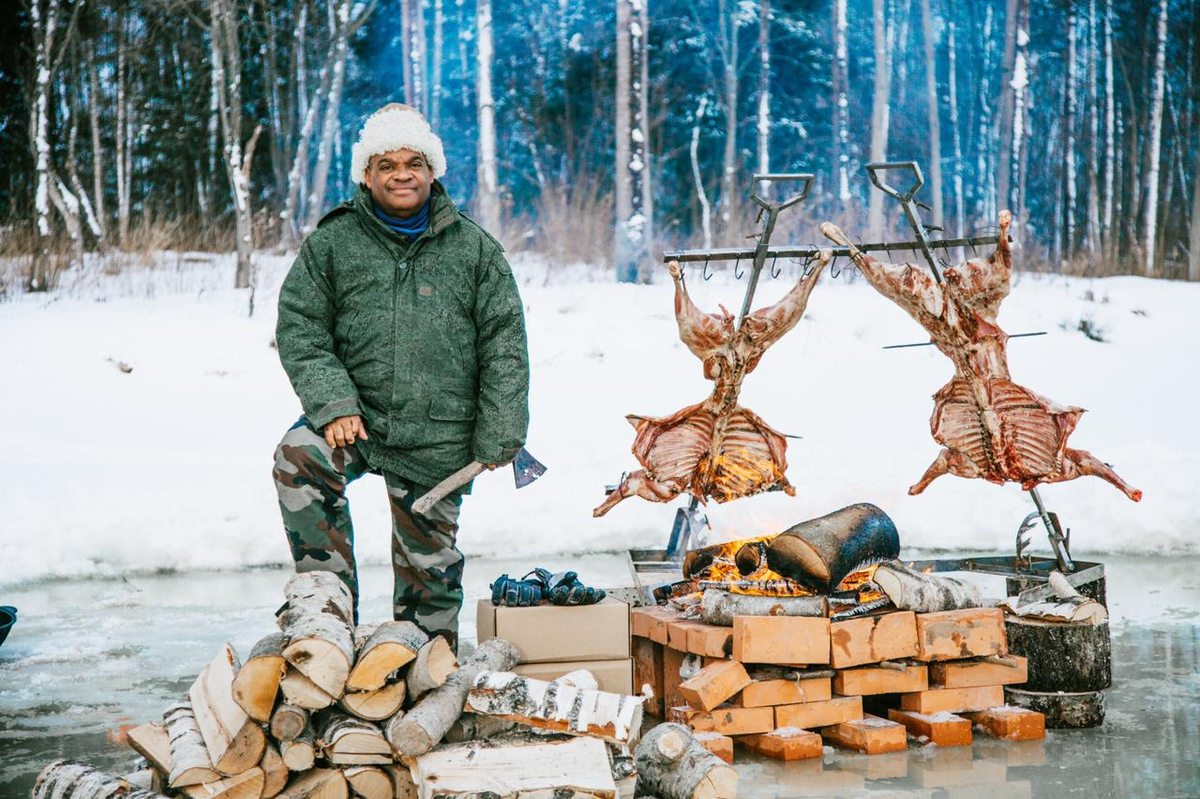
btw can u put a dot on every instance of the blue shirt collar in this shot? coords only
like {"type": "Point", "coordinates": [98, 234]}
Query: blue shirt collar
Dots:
{"type": "Point", "coordinates": [413, 226]}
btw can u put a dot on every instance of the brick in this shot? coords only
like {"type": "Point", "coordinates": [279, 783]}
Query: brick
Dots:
{"type": "Point", "coordinates": [943, 729]}
{"type": "Point", "coordinates": [651, 622]}
{"type": "Point", "coordinates": [672, 662]}
{"type": "Point", "coordinates": [1011, 723]}
{"type": "Point", "coordinates": [720, 745]}
{"type": "Point", "coordinates": [968, 674]}
{"type": "Point", "coordinates": [677, 631]}
{"type": "Point", "coordinates": [783, 640]}
{"type": "Point", "coordinates": [785, 692]}
{"type": "Point", "coordinates": [870, 639]}
{"type": "Point", "coordinates": [788, 743]}
{"type": "Point", "coordinates": [808, 715]}
{"type": "Point", "coordinates": [870, 734]}
{"type": "Point", "coordinates": [714, 684]}
{"type": "Point", "coordinates": [648, 670]}
{"type": "Point", "coordinates": [955, 700]}
{"type": "Point", "coordinates": [725, 719]}
{"type": "Point", "coordinates": [872, 680]}
{"type": "Point", "coordinates": [956, 634]}
{"type": "Point", "coordinates": [710, 640]}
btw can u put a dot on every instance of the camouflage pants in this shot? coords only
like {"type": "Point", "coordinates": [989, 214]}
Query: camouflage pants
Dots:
{"type": "Point", "coordinates": [311, 479]}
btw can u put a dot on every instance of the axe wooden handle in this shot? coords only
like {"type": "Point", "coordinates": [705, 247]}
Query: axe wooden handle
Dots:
{"type": "Point", "coordinates": [436, 494]}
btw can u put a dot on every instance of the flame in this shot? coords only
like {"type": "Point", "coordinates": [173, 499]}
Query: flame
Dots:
{"type": "Point", "coordinates": [862, 580]}
{"type": "Point", "coordinates": [740, 568]}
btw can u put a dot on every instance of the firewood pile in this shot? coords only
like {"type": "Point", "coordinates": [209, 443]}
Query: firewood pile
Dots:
{"type": "Point", "coordinates": [326, 709]}
{"type": "Point", "coordinates": [781, 677]}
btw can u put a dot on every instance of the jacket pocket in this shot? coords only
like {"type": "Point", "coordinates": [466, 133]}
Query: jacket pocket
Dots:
{"type": "Point", "coordinates": [451, 409]}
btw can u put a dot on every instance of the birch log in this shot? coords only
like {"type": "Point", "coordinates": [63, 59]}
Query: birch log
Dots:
{"type": "Point", "coordinates": [369, 782]}
{"type": "Point", "coordinates": [402, 781]}
{"type": "Point", "coordinates": [559, 706]}
{"type": "Point", "coordinates": [287, 722]}
{"type": "Point", "coordinates": [392, 645]}
{"type": "Point", "coordinates": [578, 767]}
{"type": "Point", "coordinates": [318, 783]}
{"type": "Point", "coordinates": [246, 785]}
{"type": "Point", "coordinates": [427, 722]}
{"type": "Point", "coordinates": [275, 771]}
{"type": "Point", "coordinates": [151, 742]}
{"type": "Point", "coordinates": [299, 753]}
{"type": "Point", "coordinates": [672, 764]}
{"type": "Point", "coordinates": [347, 741]}
{"type": "Point", "coordinates": [374, 705]}
{"type": "Point", "coordinates": [719, 607]}
{"type": "Point", "coordinates": [64, 779]}
{"type": "Point", "coordinates": [924, 593]}
{"type": "Point", "coordinates": [474, 727]}
{"type": "Point", "coordinates": [435, 662]}
{"type": "Point", "coordinates": [317, 635]}
{"type": "Point", "coordinates": [256, 683]}
{"type": "Point", "coordinates": [234, 740]}
{"type": "Point", "coordinates": [189, 760]}
{"type": "Point", "coordinates": [302, 692]}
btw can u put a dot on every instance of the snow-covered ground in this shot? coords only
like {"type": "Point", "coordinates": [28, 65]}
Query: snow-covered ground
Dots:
{"type": "Point", "coordinates": [168, 466]}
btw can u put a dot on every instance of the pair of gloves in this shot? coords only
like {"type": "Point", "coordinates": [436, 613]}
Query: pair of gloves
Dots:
{"type": "Point", "coordinates": [563, 588]}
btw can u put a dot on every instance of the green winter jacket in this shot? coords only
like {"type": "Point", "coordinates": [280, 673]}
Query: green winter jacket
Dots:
{"type": "Point", "coordinates": [425, 340]}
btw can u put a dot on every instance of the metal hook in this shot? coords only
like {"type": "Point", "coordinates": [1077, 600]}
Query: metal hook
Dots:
{"type": "Point", "coordinates": [775, 272]}
{"type": "Point", "coordinates": [834, 271]}
{"type": "Point", "coordinates": [706, 273]}
{"type": "Point", "coordinates": [736, 274]}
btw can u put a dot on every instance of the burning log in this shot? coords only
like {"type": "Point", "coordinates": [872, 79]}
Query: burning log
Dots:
{"type": "Point", "coordinates": [719, 607]}
{"type": "Point", "coordinates": [672, 764]}
{"type": "Point", "coordinates": [64, 779]}
{"type": "Point", "coordinates": [427, 722]}
{"type": "Point", "coordinates": [188, 762]}
{"type": "Point", "coordinates": [560, 706]}
{"type": "Point", "coordinates": [390, 646]}
{"type": "Point", "coordinates": [819, 553]}
{"type": "Point", "coordinates": [257, 682]}
{"type": "Point", "coordinates": [924, 593]}
{"type": "Point", "coordinates": [779, 587]}
{"type": "Point", "coordinates": [316, 625]}
{"type": "Point", "coordinates": [435, 662]}
{"type": "Point", "coordinates": [234, 741]}
{"type": "Point", "coordinates": [287, 722]}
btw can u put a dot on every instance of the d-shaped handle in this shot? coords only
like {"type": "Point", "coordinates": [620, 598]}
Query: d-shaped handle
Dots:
{"type": "Point", "coordinates": [874, 170]}
{"type": "Point", "coordinates": [804, 179]}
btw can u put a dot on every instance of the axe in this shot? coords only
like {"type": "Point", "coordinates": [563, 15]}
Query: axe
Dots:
{"type": "Point", "coordinates": [526, 469]}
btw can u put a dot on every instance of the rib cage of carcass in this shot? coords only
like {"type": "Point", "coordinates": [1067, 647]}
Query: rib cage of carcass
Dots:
{"type": "Point", "coordinates": [989, 426]}
{"type": "Point", "coordinates": [717, 448]}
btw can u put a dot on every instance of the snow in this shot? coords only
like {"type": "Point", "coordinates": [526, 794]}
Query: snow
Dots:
{"type": "Point", "coordinates": [168, 467]}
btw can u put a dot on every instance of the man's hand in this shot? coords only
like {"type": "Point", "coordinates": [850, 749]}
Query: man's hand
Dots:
{"type": "Point", "coordinates": [344, 431]}
{"type": "Point", "coordinates": [491, 467]}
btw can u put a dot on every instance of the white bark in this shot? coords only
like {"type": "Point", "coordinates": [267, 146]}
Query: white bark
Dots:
{"type": "Point", "coordinates": [642, 142]}
{"type": "Point", "coordinates": [924, 593]}
{"type": "Point", "coordinates": [705, 208]}
{"type": "Point", "coordinates": [1194, 237]}
{"type": "Point", "coordinates": [985, 199]}
{"type": "Point", "coordinates": [727, 21]}
{"type": "Point", "coordinates": [1072, 77]}
{"type": "Point", "coordinates": [1093, 106]}
{"type": "Point", "coordinates": [487, 188]}
{"type": "Point", "coordinates": [1156, 125]}
{"type": "Point", "coordinates": [43, 29]}
{"type": "Point", "coordinates": [935, 122]}
{"type": "Point", "coordinates": [1018, 84]}
{"type": "Point", "coordinates": [297, 178]}
{"type": "Point", "coordinates": [1109, 133]}
{"type": "Point", "coordinates": [333, 105]}
{"type": "Point", "coordinates": [63, 779]}
{"type": "Point", "coordinates": [956, 133]}
{"type": "Point", "coordinates": [439, 23]}
{"type": "Point", "coordinates": [841, 97]}
{"type": "Point", "coordinates": [880, 115]}
{"type": "Point", "coordinates": [317, 636]}
{"type": "Point", "coordinates": [121, 137]}
{"type": "Point", "coordinates": [190, 763]}
{"type": "Point", "coordinates": [672, 764]}
{"type": "Point", "coordinates": [94, 102]}
{"type": "Point", "coordinates": [764, 90]}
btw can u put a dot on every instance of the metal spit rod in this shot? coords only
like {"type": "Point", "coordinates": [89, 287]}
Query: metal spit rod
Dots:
{"type": "Point", "coordinates": [811, 250]}
{"type": "Point", "coordinates": [769, 212]}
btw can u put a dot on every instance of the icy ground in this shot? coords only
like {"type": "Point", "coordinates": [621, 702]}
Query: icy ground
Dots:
{"type": "Point", "coordinates": [90, 657]}
{"type": "Point", "coordinates": [166, 467]}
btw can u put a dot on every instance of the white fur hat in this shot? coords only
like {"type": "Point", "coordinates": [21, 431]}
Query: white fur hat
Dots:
{"type": "Point", "coordinates": [396, 127]}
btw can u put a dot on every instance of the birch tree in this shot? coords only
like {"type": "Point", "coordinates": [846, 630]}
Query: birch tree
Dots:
{"type": "Point", "coordinates": [640, 149]}
{"type": "Point", "coordinates": [841, 100]}
{"type": "Point", "coordinates": [45, 23]}
{"type": "Point", "coordinates": [1070, 112]}
{"type": "Point", "coordinates": [1109, 136]}
{"type": "Point", "coordinates": [631, 244]}
{"type": "Point", "coordinates": [1018, 85]}
{"type": "Point", "coordinates": [956, 136]}
{"type": "Point", "coordinates": [935, 124]}
{"type": "Point", "coordinates": [1156, 125]}
{"type": "Point", "coordinates": [727, 20]}
{"type": "Point", "coordinates": [880, 115]}
{"type": "Point", "coordinates": [701, 195]}
{"type": "Point", "coordinates": [330, 126]}
{"type": "Point", "coordinates": [487, 189]}
{"type": "Point", "coordinates": [764, 89]}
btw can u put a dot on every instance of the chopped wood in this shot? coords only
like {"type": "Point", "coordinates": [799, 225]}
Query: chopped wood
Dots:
{"type": "Point", "coordinates": [275, 771]}
{"type": "Point", "coordinates": [189, 761]}
{"type": "Point", "coordinates": [476, 727]}
{"type": "Point", "coordinates": [369, 782]}
{"type": "Point", "coordinates": [954, 700]}
{"type": "Point", "coordinates": [424, 725]}
{"type": "Point", "coordinates": [345, 740]}
{"type": "Point", "coordinates": [719, 607]}
{"type": "Point", "coordinates": [64, 779]}
{"type": "Point", "coordinates": [943, 729]}
{"type": "Point", "coordinates": [287, 722]}
{"type": "Point", "coordinates": [709, 640]}
{"type": "Point", "coordinates": [720, 745]}
{"type": "Point", "coordinates": [234, 741]}
{"type": "Point", "coordinates": [434, 663]}
{"type": "Point", "coordinates": [783, 640]}
{"type": "Point", "coordinates": [145, 779]}
{"type": "Point", "coordinates": [956, 634]}
{"type": "Point", "coordinates": [925, 593]}
{"type": "Point", "coordinates": [256, 683]}
{"type": "Point", "coordinates": [870, 734]}
{"type": "Point", "coordinates": [872, 680]}
{"type": "Point", "coordinates": [1074, 657]}
{"type": "Point", "coordinates": [299, 753]}
{"type": "Point", "coordinates": [714, 684]}
{"type": "Point", "coordinates": [986, 671]}
{"type": "Point", "coordinates": [810, 715]}
{"type": "Point", "coordinates": [152, 742]}
{"type": "Point", "coordinates": [375, 705]}
{"type": "Point", "coordinates": [392, 645]}
{"type": "Point", "coordinates": [677, 633]}
{"type": "Point", "coordinates": [1075, 609]}
{"type": "Point", "coordinates": [674, 664]}
{"type": "Point", "coordinates": [870, 639]}
{"type": "Point", "coordinates": [1011, 723]}
{"type": "Point", "coordinates": [672, 764]}
{"type": "Point", "coordinates": [558, 706]}
{"type": "Point", "coordinates": [317, 783]}
{"type": "Point", "coordinates": [648, 673]}
{"type": "Point", "coordinates": [403, 786]}
{"type": "Point", "coordinates": [574, 767]}
{"type": "Point", "coordinates": [316, 624]}
{"type": "Point", "coordinates": [783, 687]}
{"type": "Point", "coordinates": [302, 692]}
{"type": "Point", "coordinates": [245, 785]}
{"type": "Point", "coordinates": [725, 720]}
{"type": "Point", "coordinates": [785, 743]}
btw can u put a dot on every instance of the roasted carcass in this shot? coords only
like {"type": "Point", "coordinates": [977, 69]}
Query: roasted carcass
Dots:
{"type": "Point", "coordinates": [990, 426]}
{"type": "Point", "coordinates": [717, 448]}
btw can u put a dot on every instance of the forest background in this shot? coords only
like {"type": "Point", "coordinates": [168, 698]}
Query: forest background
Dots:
{"type": "Point", "coordinates": [602, 133]}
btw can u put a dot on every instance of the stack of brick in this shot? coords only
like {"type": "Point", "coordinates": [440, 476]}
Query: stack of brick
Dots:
{"type": "Point", "coordinates": [784, 686]}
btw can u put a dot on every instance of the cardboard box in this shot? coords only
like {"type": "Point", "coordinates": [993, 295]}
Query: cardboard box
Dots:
{"type": "Point", "coordinates": [551, 634]}
{"type": "Point", "coordinates": [614, 676]}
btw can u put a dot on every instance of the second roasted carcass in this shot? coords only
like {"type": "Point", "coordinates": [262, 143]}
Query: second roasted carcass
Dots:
{"type": "Point", "coordinates": [717, 448]}
{"type": "Point", "coordinates": [990, 426]}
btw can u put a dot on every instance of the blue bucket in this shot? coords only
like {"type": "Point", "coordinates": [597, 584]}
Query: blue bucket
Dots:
{"type": "Point", "coordinates": [8, 617]}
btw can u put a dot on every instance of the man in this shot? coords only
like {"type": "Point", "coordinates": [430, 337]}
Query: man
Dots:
{"type": "Point", "coordinates": [402, 331]}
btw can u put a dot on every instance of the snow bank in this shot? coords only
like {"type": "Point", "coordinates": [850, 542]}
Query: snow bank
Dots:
{"type": "Point", "coordinates": [168, 466]}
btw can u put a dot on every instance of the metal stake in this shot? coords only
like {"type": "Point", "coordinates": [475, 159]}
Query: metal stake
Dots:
{"type": "Point", "coordinates": [769, 212]}
{"type": "Point", "coordinates": [1058, 542]}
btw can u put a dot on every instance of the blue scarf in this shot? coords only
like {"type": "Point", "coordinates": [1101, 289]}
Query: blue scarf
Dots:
{"type": "Point", "coordinates": [411, 227]}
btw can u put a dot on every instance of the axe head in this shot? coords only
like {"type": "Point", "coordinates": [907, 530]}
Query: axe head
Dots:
{"type": "Point", "coordinates": [526, 468]}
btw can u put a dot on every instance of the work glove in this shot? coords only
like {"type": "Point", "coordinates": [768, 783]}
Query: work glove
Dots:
{"type": "Point", "coordinates": [565, 588]}
{"type": "Point", "coordinates": [521, 593]}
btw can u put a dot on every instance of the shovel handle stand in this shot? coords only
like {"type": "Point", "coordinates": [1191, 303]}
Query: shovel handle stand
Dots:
{"type": "Point", "coordinates": [457, 480]}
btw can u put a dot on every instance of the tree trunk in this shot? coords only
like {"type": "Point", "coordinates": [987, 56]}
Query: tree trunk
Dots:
{"type": "Point", "coordinates": [628, 190]}
{"type": "Point", "coordinates": [439, 24]}
{"type": "Point", "coordinates": [64, 779]}
{"type": "Point", "coordinates": [705, 208]}
{"type": "Point", "coordinates": [1018, 84]}
{"type": "Point", "coordinates": [487, 184]}
{"type": "Point", "coordinates": [121, 136]}
{"type": "Point", "coordinates": [1194, 236]}
{"type": "Point", "coordinates": [1007, 105]}
{"type": "Point", "coordinates": [1156, 125]}
{"type": "Point", "coordinates": [189, 760]}
{"type": "Point", "coordinates": [333, 106]}
{"type": "Point", "coordinates": [94, 103]}
{"type": "Point", "coordinates": [672, 764]}
{"type": "Point", "coordinates": [297, 176]}
{"type": "Point", "coordinates": [226, 63]}
{"type": "Point", "coordinates": [641, 143]}
{"type": "Point", "coordinates": [1093, 162]}
{"type": "Point", "coordinates": [956, 133]}
{"type": "Point", "coordinates": [841, 100]}
{"type": "Point", "coordinates": [420, 53]}
{"type": "Point", "coordinates": [935, 123]}
{"type": "Point", "coordinates": [985, 161]}
{"type": "Point", "coordinates": [317, 637]}
{"type": "Point", "coordinates": [764, 91]}
{"type": "Point", "coordinates": [1109, 139]}
{"type": "Point", "coordinates": [727, 22]}
{"type": "Point", "coordinates": [406, 45]}
{"type": "Point", "coordinates": [1069, 117]}
{"type": "Point", "coordinates": [42, 274]}
{"type": "Point", "coordinates": [880, 116]}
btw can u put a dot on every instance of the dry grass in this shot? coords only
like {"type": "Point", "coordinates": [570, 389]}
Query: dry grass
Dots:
{"type": "Point", "coordinates": [570, 224]}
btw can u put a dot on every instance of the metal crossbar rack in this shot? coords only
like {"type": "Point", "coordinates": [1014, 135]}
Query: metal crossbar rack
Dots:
{"type": "Point", "coordinates": [811, 250]}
